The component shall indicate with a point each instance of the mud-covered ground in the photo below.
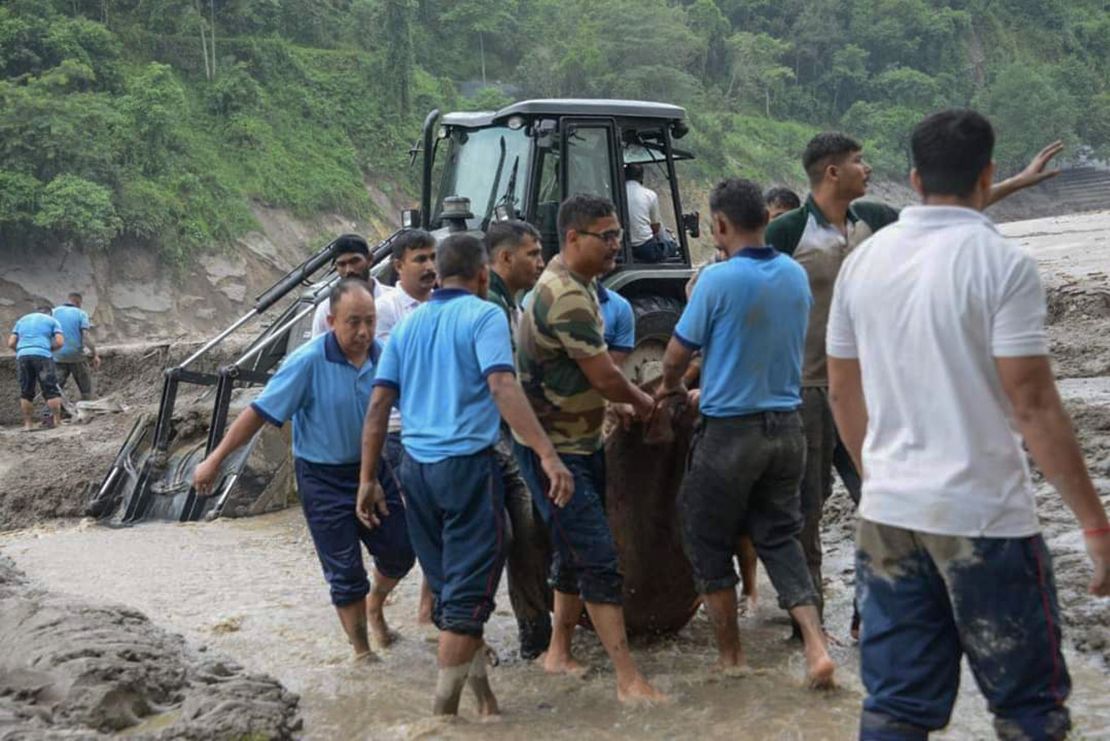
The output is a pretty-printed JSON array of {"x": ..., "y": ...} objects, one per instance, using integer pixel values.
[{"x": 252, "y": 588}]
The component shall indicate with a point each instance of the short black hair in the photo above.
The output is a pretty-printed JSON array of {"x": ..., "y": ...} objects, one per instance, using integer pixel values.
[
  {"x": 634, "y": 171},
  {"x": 581, "y": 210},
  {"x": 347, "y": 244},
  {"x": 741, "y": 202},
  {"x": 460, "y": 256},
  {"x": 411, "y": 239},
  {"x": 345, "y": 286},
  {"x": 509, "y": 235},
  {"x": 782, "y": 196},
  {"x": 44, "y": 307},
  {"x": 950, "y": 150},
  {"x": 824, "y": 149}
]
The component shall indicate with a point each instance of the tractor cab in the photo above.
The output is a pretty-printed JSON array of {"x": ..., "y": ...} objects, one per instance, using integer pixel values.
[{"x": 524, "y": 160}]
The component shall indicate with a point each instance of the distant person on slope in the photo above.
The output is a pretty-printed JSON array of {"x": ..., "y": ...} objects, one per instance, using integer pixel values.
[
  {"x": 324, "y": 387},
  {"x": 70, "y": 358},
  {"x": 33, "y": 338}
]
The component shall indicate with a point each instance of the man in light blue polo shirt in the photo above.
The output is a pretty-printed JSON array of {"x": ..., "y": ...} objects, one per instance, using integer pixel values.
[
  {"x": 324, "y": 387},
  {"x": 620, "y": 323},
  {"x": 33, "y": 338},
  {"x": 450, "y": 363},
  {"x": 747, "y": 316},
  {"x": 70, "y": 358}
]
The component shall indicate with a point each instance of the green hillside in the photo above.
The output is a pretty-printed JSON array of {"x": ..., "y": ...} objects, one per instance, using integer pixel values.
[{"x": 159, "y": 122}]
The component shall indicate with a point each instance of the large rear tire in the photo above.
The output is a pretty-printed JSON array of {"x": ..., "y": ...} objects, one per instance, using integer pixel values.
[{"x": 656, "y": 317}]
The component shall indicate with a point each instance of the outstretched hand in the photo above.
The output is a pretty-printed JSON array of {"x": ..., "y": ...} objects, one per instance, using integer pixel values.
[{"x": 1035, "y": 171}]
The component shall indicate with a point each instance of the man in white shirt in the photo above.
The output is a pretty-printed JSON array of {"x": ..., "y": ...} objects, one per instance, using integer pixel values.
[
  {"x": 352, "y": 260},
  {"x": 645, "y": 222},
  {"x": 938, "y": 367}
]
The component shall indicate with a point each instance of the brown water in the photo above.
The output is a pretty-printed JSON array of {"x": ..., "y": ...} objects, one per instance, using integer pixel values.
[{"x": 253, "y": 589}]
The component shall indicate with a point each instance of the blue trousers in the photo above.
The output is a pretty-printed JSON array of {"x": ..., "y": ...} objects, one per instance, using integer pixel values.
[
  {"x": 584, "y": 559},
  {"x": 926, "y": 601},
  {"x": 456, "y": 519},
  {"x": 328, "y": 494}
]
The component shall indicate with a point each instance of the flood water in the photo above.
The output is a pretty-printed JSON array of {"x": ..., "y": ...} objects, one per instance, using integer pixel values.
[{"x": 252, "y": 589}]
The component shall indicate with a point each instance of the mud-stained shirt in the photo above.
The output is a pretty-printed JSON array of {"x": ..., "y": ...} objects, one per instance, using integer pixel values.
[
  {"x": 819, "y": 247},
  {"x": 561, "y": 325}
]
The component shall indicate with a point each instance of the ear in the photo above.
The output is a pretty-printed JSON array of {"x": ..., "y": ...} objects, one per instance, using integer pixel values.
[
  {"x": 720, "y": 225},
  {"x": 915, "y": 182},
  {"x": 331, "y": 320},
  {"x": 832, "y": 172}
]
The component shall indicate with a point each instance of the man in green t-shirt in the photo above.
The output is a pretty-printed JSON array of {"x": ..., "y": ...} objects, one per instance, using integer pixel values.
[
  {"x": 820, "y": 235},
  {"x": 567, "y": 375}
]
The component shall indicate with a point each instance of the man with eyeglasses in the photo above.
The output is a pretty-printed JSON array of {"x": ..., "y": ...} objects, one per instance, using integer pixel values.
[{"x": 568, "y": 375}]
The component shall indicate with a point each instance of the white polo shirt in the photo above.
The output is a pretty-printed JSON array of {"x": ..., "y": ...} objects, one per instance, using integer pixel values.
[
  {"x": 926, "y": 305},
  {"x": 320, "y": 318},
  {"x": 643, "y": 211},
  {"x": 392, "y": 308}
]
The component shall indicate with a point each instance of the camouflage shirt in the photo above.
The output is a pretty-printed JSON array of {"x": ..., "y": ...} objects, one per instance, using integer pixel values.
[{"x": 562, "y": 324}]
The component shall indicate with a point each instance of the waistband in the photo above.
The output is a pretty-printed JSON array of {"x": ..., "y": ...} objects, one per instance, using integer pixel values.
[
  {"x": 331, "y": 469},
  {"x": 768, "y": 421}
]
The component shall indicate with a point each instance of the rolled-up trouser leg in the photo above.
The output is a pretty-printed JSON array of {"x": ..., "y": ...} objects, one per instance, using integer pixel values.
[
  {"x": 816, "y": 486},
  {"x": 528, "y": 559}
]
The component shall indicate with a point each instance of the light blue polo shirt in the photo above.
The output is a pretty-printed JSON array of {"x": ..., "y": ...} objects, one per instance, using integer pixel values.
[
  {"x": 438, "y": 359},
  {"x": 748, "y": 317},
  {"x": 620, "y": 322},
  {"x": 36, "y": 335},
  {"x": 73, "y": 320},
  {"x": 325, "y": 396}
]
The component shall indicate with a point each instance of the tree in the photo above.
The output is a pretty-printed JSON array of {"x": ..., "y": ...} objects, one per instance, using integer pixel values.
[
  {"x": 399, "y": 61},
  {"x": 757, "y": 70},
  {"x": 482, "y": 18},
  {"x": 78, "y": 211},
  {"x": 1027, "y": 110}
]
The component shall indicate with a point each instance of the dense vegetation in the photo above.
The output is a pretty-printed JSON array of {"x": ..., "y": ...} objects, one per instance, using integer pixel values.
[{"x": 161, "y": 121}]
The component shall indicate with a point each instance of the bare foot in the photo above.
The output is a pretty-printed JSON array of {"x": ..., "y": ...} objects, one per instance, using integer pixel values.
[
  {"x": 380, "y": 634},
  {"x": 487, "y": 702},
  {"x": 819, "y": 669},
  {"x": 569, "y": 666},
  {"x": 731, "y": 669},
  {"x": 366, "y": 657},
  {"x": 640, "y": 692}
]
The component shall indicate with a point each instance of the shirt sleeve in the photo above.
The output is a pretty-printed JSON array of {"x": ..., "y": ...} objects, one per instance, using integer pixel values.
[
  {"x": 840, "y": 335},
  {"x": 388, "y": 372},
  {"x": 1018, "y": 328},
  {"x": 320, "y": 318},
  {"x": 693, "y": 326},
  {"x": 286, "y": 392},
  {"x": 654, "y": 215},
  {"x": 574, "y": 320},
  {"x": 624, "y": 329},
  {"x": 492, "y": 342},
  {"x": 57, "y": 327},
  {"x": 85, "y": 321},
  {"x": 387, "y": 320}
]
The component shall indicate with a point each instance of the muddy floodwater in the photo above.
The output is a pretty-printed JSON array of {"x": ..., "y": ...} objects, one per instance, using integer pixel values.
[{"x": 252, "y": 589}]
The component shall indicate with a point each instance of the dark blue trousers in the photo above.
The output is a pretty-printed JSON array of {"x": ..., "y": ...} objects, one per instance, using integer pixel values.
[
  {"x": 926, "y": 601},
  {"x": 328, "y": 494},
  {"x": 456, "y": 519}
]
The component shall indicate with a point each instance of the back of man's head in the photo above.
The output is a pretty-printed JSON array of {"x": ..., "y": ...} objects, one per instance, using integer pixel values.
[
  {"x": 351, "y": 244},
  {"x": 44, "y": 307},
  {"x": 581, "y": 210},
  {"x": 460, "y": 256},
  {"x": 508, "y": 235},
  {"x": 74, "y": 298},
  {"x": 346, "y": 287},
  {"x": 741, "y": 202},
  {"x": 950, "y": 151},
  {"x": 634, "y": 171},
  {"x": 412, "y": 239},
  {"x": 782, "y": 197},
  {"x": 827, "y": 148}
]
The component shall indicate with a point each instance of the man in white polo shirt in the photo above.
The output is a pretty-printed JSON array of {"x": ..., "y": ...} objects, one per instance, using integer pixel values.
[
  {"x": 352, "y": 260},
  {"x": 938, "y": 368}
]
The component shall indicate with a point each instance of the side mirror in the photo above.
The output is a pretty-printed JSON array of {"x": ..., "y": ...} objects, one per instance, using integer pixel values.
[
  {"x": 691, "y": 222},
  {"x": 410, "y": 218}
]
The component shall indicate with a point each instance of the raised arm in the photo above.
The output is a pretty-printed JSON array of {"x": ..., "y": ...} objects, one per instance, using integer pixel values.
[{"x": 1033, "y": 174}]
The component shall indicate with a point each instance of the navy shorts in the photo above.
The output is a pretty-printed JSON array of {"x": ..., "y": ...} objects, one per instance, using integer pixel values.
[
  {"x": 32, "y": 370},
  {"x": 584, "y": 559},
  {"x": 456, "y": 521},
  {"x": 328, "y": 495},
  {"x": 926, "y": 601}
]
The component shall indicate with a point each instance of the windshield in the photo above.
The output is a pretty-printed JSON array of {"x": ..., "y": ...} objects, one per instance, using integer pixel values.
[{"x": 488, "y": 166}]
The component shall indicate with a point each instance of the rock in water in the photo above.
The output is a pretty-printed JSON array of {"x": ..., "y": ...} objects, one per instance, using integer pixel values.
[{"x": 642, "y": 490}]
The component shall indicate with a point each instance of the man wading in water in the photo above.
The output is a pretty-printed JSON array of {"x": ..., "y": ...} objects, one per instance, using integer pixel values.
[
  {"x": 450, "y": 364},
  {"x": 324, "y": 387}
]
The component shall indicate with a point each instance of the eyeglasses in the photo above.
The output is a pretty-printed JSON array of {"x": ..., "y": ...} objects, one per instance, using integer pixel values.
[{"x": 612, "y": 235}]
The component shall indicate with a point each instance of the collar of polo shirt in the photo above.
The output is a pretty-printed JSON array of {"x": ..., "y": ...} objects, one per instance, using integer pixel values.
[
  {"x": 333, "y": 353},
  {"x": 446, "y": 294}
]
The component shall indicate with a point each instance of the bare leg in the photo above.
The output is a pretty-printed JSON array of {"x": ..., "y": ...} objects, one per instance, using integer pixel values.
[
  {"x": 353, "y": 618},
  {"x": 424, "y": 612},
  {"x": 721, "y": 606},
  {"x": 479, "y": 685},
  {"x": 557, "y": 659},
  {"x": 27, "y": 409},
  {"x": 745, "y": 552},
  {"x": 375, "y": 613},
  {"x": 56, "y": 408},
  {"x": 456, "y": 652},
  {"x": 819, "y": 665},
  {"x": 632, "y": 687}
]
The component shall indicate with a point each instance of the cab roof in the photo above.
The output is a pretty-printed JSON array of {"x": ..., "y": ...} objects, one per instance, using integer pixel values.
[{"x": 588, "y": 107}]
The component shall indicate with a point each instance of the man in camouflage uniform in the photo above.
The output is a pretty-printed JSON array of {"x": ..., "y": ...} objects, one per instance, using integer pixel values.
[
  {"x": 516, "y": 261},
  {"x": 567, "y": 375}
]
